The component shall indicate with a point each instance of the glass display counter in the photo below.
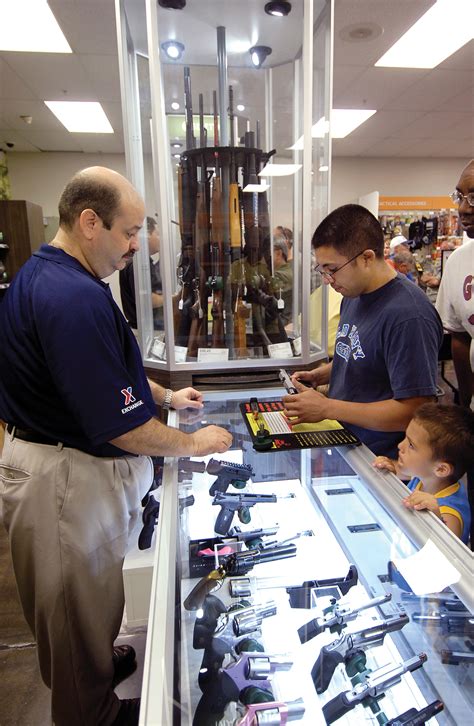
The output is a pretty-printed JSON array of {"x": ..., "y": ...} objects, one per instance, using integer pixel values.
[{"x": 289, "y": 604}]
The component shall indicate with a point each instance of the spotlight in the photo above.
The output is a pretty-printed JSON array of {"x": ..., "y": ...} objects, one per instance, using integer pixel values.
[
  {"x": 172, "y": 4},
  {"x": 173, "y": 49},
  {"x": 240, "y": 107},
  {"x": 175, "y": 105},
  {"x": 278, "y": 8},
  {"x": 258, "y": 54},
  {"x": 176, "y": 145}
]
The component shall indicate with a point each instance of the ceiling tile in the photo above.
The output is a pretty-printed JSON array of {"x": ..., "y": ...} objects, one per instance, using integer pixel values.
[
  {"x": 431, "y": 125},
  {"x": 53, "y": 76},
  {"x": 11, "y": 85},
  {"x": 435, "y": 90},
  {"x": 89, "y": 25},
  {"x": 103, "y": 73},
  {"x": 378, "y": 88}
]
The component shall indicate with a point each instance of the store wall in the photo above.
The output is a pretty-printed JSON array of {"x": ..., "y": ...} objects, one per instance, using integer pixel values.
[
  {"x": 354, "y": 177},
  {"x": 40, "y": 178}
]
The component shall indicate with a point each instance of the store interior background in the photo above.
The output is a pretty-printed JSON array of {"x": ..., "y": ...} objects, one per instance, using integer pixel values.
[{"x": 415, "y": 145}]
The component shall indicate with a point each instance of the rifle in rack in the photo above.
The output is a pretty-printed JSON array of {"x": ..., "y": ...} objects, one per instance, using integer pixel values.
[
  {"x": 198, "y": 334},
  {"x": 187, "y": 214},
  {"x": 216, "y": 283}
]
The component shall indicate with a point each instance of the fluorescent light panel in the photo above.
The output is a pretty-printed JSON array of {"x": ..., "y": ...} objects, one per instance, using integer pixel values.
[
  {"x": 439, "y": 33},
  {"x": 256, "y": 187},
  {"x": 30, "y": 26},
  {"x": 344, "y": 121},
  {"x": 85, "y": 117}
]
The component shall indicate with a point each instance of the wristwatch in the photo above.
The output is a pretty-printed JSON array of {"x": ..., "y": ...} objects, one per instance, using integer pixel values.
[{"x": 167, "y": 400}]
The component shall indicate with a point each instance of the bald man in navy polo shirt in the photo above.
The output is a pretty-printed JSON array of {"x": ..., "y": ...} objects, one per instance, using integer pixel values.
[{"x": 81, "y": 427}]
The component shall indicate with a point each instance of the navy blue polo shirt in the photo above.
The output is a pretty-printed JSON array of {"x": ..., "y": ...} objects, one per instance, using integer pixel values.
[{"x": 70, "y": 367}]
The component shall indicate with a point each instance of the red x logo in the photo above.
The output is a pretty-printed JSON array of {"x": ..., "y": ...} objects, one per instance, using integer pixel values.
[{"x": 129, "y": 397}]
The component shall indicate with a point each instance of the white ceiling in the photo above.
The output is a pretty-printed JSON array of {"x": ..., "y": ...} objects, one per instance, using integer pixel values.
[{"x": 420, "y": 113}]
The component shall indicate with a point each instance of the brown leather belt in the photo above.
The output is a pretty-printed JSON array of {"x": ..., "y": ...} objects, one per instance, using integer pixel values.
[{"x": 29, "y": 435}]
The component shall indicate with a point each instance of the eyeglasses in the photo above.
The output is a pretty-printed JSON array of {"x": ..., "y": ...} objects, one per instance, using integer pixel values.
[
  {"x": 457, "y": 197},
  {"x": 329, "y": 275}
]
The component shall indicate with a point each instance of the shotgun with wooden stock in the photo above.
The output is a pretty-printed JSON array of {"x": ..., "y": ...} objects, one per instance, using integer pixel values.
[{"x": 216, "y": 282}]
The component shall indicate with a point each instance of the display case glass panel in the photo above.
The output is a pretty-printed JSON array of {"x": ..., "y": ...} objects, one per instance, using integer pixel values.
[
  {"x": 282, "y": 615},
  {"x": 234, "y": 177}
]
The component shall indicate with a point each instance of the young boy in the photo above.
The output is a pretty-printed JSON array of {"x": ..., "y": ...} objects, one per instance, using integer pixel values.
[{"x": 436, "y": 451}]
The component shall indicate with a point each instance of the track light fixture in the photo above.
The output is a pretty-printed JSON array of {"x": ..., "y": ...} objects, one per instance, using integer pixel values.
[
  {"x": 258, "y": 53},
  {"x": 173, "y": 49},
  {"x": 278, "y": 8}
]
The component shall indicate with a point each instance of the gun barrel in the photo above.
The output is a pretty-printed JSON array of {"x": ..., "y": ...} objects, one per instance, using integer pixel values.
[
  {"x": 286, "y": 380},
  {"x": 273, "y": 713},
  {"x": 249, "y": 619},
  {"x": 242, "y": 562},
  {"x": 261, "y": 666},
  {"x": 413, "y": 717}
]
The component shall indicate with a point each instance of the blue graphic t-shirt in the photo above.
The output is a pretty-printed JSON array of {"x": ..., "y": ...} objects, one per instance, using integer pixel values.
[{"x": 386, "y": 347}]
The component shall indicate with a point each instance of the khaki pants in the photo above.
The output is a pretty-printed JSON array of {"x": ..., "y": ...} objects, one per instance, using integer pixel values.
[{"x": 69, "y": 516}]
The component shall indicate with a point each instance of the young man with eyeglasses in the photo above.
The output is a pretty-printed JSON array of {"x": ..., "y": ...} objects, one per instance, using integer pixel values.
[
  {"x": 82, "y": 424},
  {"x": 389, "y": 334}
]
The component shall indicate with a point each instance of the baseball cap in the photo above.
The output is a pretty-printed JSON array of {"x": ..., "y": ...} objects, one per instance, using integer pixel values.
[{"x": 399, "y": 239}]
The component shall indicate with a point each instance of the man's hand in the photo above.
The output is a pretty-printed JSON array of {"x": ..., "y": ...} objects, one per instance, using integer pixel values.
[
  {"x": 316, "y": 377},
  {"x": 211, "y": 440},
  {"x": 383, "y": 462},
  {"x": 308, "y": 406},
  {"x": 186, "y": 398},
  {"x": 422, "y": 500}
]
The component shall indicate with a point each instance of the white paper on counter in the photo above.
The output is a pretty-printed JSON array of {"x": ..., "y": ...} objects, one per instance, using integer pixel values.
[{"x": 428, "y": 570}]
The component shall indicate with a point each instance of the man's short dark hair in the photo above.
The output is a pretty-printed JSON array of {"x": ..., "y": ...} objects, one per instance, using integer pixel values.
[
  {"x": 287, "y": 234},
  {"x": 150, "y": 224},
  {"x": 86, "y": 192},
  {"x": 350, "y": 229},
  {"x": 450, "y": 431}
]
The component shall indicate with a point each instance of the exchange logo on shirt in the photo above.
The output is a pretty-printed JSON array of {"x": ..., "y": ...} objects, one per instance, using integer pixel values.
[
  {"x": 353, "y": 347},
  {"x": 130, "y": 400}
]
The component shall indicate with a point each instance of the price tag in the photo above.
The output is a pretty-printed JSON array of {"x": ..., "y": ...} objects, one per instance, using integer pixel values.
[
  {"x": 208, "y": 355},
  {"x": 297, "y": 346},
  {"x": 159, "y": 349},
  {"x": 180, "y": 353},
  {"x": 280, "y": 303},
  {"x": 180, "y": 304},
  {"x": 280, "y": 350}
]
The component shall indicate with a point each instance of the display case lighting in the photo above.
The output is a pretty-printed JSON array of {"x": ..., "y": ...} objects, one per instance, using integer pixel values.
[
  {"x": 278, "y": 8},
  {"x": 173, "y": 49},
  {"x": 258, "y": 54}
]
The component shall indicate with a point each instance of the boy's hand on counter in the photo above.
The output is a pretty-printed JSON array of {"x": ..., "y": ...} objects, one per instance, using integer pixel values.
[
  {"x": 383, "y": 462},
  {"x": 422, "y": 500}
]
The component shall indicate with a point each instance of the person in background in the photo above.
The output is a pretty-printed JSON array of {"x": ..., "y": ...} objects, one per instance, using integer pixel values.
[
  {"x": 455, "y": 303},
  {"x": 287, "y": 235},
  {"x": 283, "y": 279},
  {"x": 399, "y": 243},
  {"x": 436, "y": 452},
  {"x": 82, "y": 425},
  {"x": 404, "y": 263},
  {"x": 386, "y": 353},
  {"x": 127, "y": 282}
]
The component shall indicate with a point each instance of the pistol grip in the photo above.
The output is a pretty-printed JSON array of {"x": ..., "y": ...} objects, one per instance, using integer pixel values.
[
  {"x": 224, "y": 521},
  {"x": 336, "y": 708},
  {"x": 323, "y": 670}
]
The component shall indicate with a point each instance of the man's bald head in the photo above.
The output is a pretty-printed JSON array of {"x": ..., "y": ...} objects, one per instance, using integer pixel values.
[{"x": 98, "y": 188}]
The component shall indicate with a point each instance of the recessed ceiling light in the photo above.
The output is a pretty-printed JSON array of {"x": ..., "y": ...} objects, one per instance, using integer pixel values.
[
  {"x": 344, "y": 122},
  {"x": 240, "y": 107},
  {"x": 323, "y": 168},
  {"x": 427, "y": 43},
  {"x": 177, "y": 156},
  {"x": 176, "y": 145},
  {"x": 258, "y": 53},
  {"x": 172, "y": 4},
  {"x": 173, "y": 49},
  {"x": 175, "y": 105},
  {"x": 31, "y": 27},
  {"x": 259, "y": 188},
  {"x": 87, "y": 117},
  {"x": 278, "y": 8}
]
